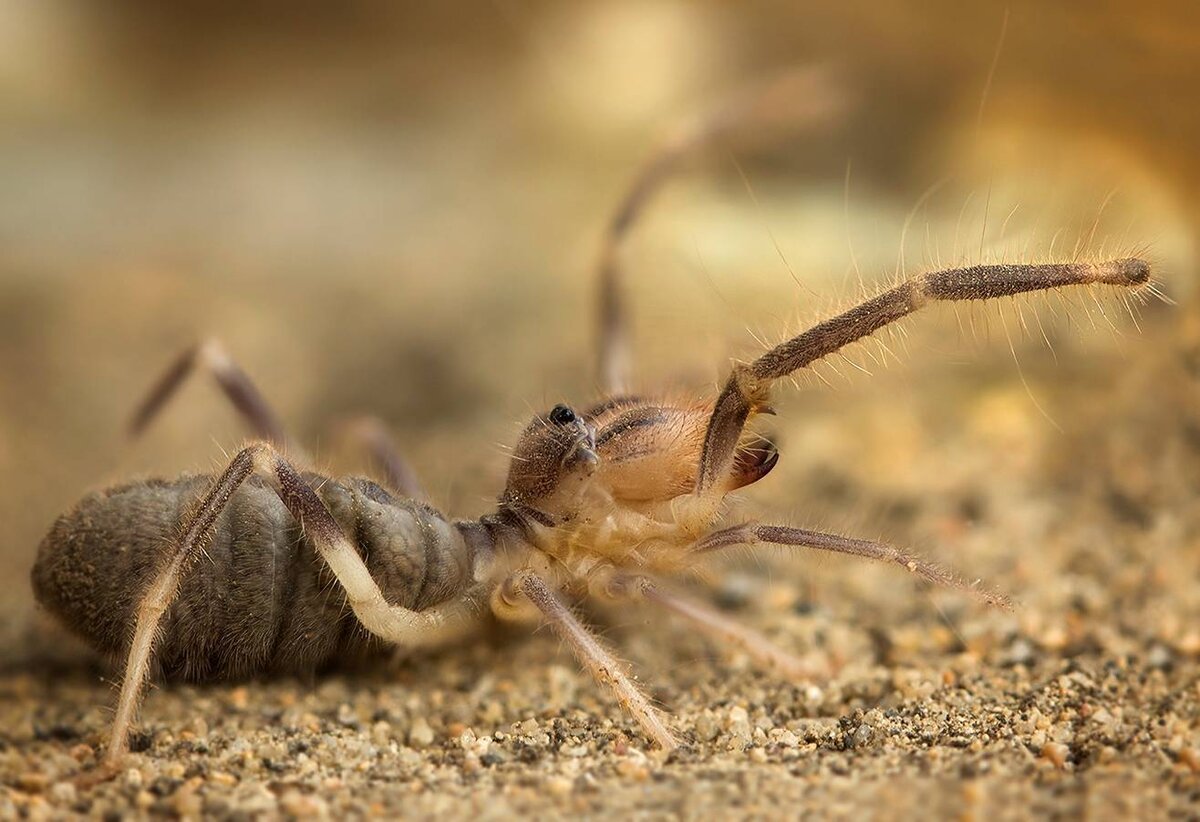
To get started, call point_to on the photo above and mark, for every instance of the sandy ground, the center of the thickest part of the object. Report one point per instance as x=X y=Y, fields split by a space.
x=1084 y=699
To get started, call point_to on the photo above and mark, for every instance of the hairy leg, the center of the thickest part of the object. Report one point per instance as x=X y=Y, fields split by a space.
x=262 y=420
x=390 y=622
x=161 y=594
x=589 y=651
x=747 y=391
x=393 y=623
x=237 y=386
x=753 y=534
x=712 y=622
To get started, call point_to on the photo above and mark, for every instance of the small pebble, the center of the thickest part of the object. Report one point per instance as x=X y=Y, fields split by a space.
x=239 y=698
x=63 y=793
x=1056 y=753
x=381 y=732
x=862 y=736
x=706 y=727
x=420 y=735
x=559 y=785
x=631 y=769
x=302 y=806
x=33 y=782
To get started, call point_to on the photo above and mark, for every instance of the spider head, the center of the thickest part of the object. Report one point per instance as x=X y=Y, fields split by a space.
x=553 y=464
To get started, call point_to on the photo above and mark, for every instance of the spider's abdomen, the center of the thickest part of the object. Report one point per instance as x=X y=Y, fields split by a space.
x=259 y=599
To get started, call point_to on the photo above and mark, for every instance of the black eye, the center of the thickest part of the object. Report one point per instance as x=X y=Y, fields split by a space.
x=562 y=415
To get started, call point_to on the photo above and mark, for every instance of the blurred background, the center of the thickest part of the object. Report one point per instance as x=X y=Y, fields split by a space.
x=397 y=208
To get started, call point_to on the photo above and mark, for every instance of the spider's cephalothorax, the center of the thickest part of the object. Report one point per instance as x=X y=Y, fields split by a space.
x=608 y=487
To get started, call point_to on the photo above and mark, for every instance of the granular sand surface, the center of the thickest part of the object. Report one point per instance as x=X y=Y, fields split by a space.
x=1084 y=699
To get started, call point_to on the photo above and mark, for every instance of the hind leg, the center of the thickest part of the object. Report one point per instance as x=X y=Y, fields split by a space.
x=264 y=423
x=161 y=593
x=393 y=623
x=237 y=386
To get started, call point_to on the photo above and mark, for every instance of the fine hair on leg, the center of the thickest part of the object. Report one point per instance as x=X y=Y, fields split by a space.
x=601 y=664
x=753 y=534
x=161 y=593
x=393 y=623
x=748 y=389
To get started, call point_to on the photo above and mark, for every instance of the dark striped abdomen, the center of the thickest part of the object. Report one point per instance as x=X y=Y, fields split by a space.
x=259 y=599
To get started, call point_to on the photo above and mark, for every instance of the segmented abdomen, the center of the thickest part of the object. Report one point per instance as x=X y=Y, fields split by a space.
x=259 y=599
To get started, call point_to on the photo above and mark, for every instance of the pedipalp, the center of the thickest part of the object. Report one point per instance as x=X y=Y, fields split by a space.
x=748 y=388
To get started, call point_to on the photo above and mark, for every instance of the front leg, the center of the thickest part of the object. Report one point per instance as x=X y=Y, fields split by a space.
x=753 y=533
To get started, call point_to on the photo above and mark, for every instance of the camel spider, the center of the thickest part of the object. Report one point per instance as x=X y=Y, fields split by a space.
x=600 y=500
